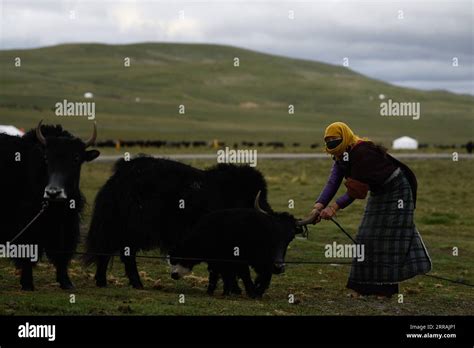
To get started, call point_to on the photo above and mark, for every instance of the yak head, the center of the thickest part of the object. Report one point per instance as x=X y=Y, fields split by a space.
x=64 y=156
x=286 y=228
x=180 y=267
x=178 y=271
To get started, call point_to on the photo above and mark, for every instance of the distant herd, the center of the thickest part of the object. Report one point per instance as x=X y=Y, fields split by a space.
x=219 y=215
x=190 y=144
x=270 y=144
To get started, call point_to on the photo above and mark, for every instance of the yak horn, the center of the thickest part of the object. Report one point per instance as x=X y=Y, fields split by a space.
x=257 y=204
x=40 y=135
x=91 y=140
x=305 y=221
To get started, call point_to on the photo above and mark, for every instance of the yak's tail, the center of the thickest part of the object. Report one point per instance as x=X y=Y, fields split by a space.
x=106 y=226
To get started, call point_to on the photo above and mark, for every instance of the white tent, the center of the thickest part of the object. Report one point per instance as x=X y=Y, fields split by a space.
x=405 y=143
x=11 y=130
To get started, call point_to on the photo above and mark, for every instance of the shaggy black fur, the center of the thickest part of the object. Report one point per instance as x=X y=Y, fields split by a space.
x=153 y=203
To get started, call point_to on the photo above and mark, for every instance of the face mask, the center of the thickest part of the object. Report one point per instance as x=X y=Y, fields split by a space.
x=332 y=144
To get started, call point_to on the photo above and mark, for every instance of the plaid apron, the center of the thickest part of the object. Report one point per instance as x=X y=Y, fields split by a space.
x=394 y=250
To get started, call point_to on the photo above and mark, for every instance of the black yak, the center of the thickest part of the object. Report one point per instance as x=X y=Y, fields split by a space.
x=231 y=240
x=152 y=203
x=43 y=165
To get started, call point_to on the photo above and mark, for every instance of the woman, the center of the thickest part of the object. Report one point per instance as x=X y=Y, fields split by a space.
x=394 y=250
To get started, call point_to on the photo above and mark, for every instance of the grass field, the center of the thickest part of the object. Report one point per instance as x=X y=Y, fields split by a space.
x=232 y=104
x=444 y=218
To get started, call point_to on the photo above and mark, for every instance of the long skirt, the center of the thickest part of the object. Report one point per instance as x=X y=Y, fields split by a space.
x=393 y=248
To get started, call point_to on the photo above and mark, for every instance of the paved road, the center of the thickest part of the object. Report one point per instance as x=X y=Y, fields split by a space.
x=292 y=156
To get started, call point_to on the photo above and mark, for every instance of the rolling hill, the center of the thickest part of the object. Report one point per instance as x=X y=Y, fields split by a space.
x=249 y=102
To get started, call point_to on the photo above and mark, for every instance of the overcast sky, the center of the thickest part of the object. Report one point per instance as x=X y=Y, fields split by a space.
x=409 y=43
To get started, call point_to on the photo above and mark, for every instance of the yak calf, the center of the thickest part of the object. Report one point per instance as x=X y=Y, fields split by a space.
x=231 y=240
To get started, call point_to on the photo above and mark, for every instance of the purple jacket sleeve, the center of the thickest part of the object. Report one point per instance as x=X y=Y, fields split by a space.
x=334 y=181
x=329 y=191
x=344 y=200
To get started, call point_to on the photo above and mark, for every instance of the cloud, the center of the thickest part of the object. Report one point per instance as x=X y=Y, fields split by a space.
x=129 y=16
x=410 y=42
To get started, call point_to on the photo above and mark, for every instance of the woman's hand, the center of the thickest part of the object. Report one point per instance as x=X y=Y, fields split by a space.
x=315 y=213
x=329 y=212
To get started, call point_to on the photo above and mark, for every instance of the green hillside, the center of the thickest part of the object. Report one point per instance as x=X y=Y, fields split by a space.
x=249 y=102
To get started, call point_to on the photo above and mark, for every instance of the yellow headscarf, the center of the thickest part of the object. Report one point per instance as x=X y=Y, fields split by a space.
x=341 y=130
